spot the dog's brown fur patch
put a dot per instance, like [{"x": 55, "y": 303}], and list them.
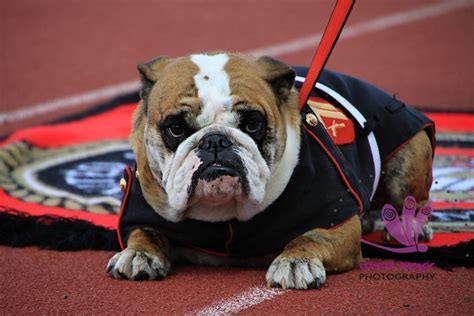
[
  {"x": 150, "y": 241},
  {"x": 337, "y": 248},
  {"x": 154, "y": 194},
  {"x": 408, "y": 172},
  {"x": 249, "y": 86}
]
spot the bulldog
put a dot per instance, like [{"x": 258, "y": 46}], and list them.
[{"x": 230, "y": 172}]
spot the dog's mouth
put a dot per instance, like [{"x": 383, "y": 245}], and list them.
[
  {"x": 218, "y": 182},
  {"x": 216, "y": 170}
]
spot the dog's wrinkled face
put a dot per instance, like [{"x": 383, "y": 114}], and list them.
[{"x": 217, "y": 134}]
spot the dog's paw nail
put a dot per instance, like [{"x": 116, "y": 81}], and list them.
[
  {"x": 109, "y": 267},
  {"x": 140, "y": 276},
  {"x": 316, "y": 284},
  {"x": 121, "y": 275}
]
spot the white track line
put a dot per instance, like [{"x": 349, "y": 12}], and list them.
[
  {"x": 299, "y": 44},
  {"x": 239, "y": 302},
  {"x": 88, "y": 97}
]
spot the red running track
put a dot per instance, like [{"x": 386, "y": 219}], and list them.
[{"x": 50, "y": 282}]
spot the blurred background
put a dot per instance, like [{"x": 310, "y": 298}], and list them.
[{"x": 63, "y": 56}]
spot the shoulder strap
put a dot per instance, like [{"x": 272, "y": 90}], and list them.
[{"x": 334, "y": 28}]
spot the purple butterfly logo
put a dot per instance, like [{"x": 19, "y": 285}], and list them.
[{"x": 406, "y": 228}]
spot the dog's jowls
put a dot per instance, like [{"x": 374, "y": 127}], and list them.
[{"x": 217, "y": 138}]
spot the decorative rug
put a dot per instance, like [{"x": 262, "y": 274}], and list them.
[{"x": 72, "y": 168}]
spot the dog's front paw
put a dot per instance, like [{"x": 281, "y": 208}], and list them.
[
  {"x": 296, "y": 273},
  {"x": 138, "y": 265}
]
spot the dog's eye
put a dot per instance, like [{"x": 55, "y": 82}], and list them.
[
  {"x": 251, "y": 122},
  {"x": 252, "y": 126},
  {"x": 176, "y": 130}
]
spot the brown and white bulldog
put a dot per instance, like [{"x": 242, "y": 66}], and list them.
[{"x": 217, "y": 138}]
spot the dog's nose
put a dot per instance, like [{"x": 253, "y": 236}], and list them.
[{"x": 215, "y": 142}]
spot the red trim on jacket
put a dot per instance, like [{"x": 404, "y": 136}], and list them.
[
  {"x": 231, "y": 238},
  {"x": 341, "y": 173},
  {"x": 124, "y": 204}
]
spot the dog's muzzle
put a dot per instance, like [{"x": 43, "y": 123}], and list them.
[{"x": 219, "y": 158}]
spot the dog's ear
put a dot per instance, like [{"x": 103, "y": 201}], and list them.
[
  {"x": 149, "y": 73},
  {"x": 279, "y": 75}
]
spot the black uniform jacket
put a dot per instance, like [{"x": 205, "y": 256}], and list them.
[{"x": 333, "y": 180}]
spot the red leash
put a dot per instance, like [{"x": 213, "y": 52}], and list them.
[{"x": 328, "y": 41}]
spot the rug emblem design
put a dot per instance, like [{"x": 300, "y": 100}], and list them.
[{"x": 78, "y": 177}]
